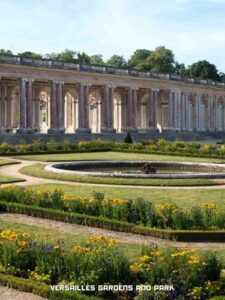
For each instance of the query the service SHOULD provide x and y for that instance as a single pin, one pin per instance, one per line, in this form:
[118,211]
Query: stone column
[108,110]
[3,106]
[171,111]
[53,113]
[9,111]
[60,108]
[152,109]
[22,121]
[98,127]
[83,118]
[179,111]
[131,109]
[134,109]
[29,105]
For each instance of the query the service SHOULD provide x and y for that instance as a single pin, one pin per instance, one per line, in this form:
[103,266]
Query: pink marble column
[60,108]
[29,105]
[134,109]
[9,110]
[171,111]
[129,109]
[53,117]
[86,107]
[22,121]
[83,107]
[111,110]
[3,106]
[107,114]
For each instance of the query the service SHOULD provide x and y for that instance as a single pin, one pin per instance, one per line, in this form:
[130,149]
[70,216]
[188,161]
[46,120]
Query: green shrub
[128,138]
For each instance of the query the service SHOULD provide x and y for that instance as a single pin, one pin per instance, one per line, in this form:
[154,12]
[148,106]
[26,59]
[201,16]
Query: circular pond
[139,169]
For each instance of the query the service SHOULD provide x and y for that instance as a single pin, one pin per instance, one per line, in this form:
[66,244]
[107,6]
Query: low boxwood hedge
[43,290]
[100,222]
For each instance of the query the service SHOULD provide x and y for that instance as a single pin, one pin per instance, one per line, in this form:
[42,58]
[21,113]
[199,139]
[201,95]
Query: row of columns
[184,113]
[195,113]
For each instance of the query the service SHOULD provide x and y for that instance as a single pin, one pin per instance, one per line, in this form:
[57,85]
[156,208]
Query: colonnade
[28,105]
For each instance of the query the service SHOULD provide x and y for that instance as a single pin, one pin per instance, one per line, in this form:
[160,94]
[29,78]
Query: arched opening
[71,111]
[220,115]
[41,110]
[142,113]
[15,108]
[203,113]
[118,112]
[95,112]
[190,112]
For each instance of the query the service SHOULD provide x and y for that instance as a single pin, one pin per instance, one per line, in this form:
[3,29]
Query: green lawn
[183,197]
[113,156]
[8,179]
[5,162]
[38,170]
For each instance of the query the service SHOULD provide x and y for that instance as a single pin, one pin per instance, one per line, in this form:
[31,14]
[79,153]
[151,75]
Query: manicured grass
[38,170]
[184,198]
[132,251]
[5,162]
[109,155]
[9,179]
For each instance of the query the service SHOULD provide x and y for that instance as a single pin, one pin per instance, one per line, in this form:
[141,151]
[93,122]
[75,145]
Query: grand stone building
[55,97]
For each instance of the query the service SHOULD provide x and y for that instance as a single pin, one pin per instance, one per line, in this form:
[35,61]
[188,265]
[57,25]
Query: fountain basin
[131,169]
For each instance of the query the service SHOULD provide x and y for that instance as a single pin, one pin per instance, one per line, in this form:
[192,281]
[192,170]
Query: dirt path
[11,294]
[122,237]
[13,170]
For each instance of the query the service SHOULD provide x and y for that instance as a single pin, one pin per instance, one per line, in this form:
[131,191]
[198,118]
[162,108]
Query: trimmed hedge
[53,152]
[43,290]
[100,222]
[115,149]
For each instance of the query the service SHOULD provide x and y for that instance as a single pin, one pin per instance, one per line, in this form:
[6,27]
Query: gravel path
[122,237]
[11,294]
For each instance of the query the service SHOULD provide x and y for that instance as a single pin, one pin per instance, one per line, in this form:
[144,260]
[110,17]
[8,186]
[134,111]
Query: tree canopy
[159,60]
[117,61]
[205,70]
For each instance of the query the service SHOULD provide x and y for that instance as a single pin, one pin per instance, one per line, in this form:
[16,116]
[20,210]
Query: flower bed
[99,261]
[138,212]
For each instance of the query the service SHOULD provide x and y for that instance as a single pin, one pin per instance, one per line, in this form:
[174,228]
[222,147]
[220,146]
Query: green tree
[181,69]
[5,52]
[83,57]
[67,55]
[222,77]
[97,59]
[30,54]
[161,60]
[205,70]
[117,61]
[138,59]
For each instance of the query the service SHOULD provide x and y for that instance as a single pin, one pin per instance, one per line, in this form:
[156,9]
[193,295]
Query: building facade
[53,97]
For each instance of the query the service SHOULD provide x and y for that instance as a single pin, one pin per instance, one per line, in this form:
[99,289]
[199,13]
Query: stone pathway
[13,170]
[121,237]
[11,294]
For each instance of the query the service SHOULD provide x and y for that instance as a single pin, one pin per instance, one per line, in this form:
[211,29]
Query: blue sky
[193,29]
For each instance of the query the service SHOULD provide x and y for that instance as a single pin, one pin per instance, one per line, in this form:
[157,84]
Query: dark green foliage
[128,139]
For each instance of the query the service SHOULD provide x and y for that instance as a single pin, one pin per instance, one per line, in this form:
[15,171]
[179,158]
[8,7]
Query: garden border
[109,224]
[43,290]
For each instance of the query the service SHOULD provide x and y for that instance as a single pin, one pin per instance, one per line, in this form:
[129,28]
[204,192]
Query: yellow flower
[136,267]
[80,249]
[144,258]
